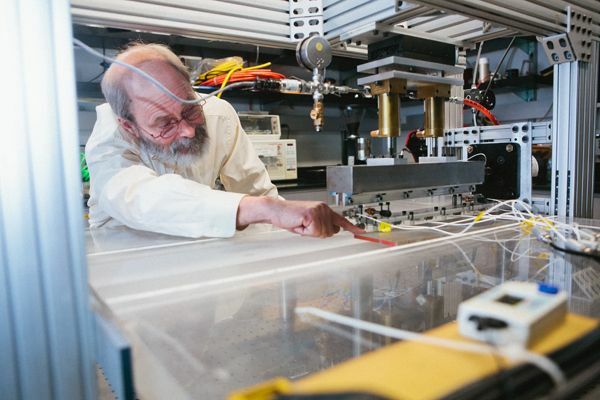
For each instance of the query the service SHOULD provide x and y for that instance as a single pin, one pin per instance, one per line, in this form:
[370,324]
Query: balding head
[116,79]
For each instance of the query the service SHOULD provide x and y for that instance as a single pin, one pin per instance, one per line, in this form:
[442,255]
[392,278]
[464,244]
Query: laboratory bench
[205,317]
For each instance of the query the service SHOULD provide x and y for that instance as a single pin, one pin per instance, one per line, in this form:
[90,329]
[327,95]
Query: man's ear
[127,126]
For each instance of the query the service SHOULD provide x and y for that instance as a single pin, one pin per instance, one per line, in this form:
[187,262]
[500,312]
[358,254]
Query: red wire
[409,136]
[481,109]
[242,76]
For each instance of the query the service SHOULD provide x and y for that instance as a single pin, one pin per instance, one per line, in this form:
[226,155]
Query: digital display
[510,300]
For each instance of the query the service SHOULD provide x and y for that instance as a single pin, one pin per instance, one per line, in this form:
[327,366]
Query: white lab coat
[133,188]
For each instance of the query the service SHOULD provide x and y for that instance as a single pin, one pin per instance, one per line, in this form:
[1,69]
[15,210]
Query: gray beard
[181,152]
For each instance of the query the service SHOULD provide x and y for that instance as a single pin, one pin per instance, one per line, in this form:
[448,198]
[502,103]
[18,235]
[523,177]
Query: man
[154,161]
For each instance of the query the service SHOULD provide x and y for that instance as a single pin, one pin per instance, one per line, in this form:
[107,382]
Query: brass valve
[316,114]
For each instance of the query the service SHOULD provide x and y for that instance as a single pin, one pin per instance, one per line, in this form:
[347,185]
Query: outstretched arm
[307,218]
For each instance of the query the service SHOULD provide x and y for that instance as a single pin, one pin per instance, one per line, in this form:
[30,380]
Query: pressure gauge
[314,52]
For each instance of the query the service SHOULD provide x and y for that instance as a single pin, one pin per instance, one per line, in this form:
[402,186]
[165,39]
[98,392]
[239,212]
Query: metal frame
[463,22]
[306,18]
[348,24]
[343,15]
[532,17]
[46,332]
[114,358]
[573,137]
[262,22]
[575,85]
[414,65]
[525,134]
[366,184]
[413,79]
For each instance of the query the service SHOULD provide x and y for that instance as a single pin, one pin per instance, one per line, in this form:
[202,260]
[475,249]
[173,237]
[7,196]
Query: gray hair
[114,82]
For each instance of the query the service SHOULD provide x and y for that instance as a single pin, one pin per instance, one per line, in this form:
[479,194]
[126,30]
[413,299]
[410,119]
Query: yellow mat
[410,370]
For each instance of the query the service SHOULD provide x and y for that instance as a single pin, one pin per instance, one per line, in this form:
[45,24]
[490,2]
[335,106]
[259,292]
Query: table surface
[205,317]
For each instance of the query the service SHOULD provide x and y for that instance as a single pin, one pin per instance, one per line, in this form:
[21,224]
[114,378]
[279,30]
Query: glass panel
[204,320]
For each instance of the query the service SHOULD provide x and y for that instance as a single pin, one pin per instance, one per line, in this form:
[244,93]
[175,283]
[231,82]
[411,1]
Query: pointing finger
[347,225]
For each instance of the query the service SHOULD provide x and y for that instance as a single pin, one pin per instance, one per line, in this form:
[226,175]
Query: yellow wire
[267,64]
[239,67]
[217,70]
[223,68]
[227,78]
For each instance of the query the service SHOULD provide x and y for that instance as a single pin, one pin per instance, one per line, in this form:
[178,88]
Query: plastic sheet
[210,317]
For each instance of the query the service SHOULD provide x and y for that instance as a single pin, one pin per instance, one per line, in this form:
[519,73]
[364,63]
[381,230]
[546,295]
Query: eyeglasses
[193,116]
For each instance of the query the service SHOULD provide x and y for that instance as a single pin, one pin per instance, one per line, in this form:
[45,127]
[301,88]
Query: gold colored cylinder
[434,117]
[389,114]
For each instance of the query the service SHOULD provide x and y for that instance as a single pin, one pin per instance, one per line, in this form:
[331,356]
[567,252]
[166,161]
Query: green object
[85,173]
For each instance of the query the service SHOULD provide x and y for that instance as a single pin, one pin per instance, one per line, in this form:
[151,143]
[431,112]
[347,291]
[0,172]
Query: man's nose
[186,130]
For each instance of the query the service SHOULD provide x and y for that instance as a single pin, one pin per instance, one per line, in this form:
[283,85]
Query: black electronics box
[413,47]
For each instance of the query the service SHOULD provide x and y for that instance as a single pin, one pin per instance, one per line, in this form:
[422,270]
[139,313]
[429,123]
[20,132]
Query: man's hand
[308,218]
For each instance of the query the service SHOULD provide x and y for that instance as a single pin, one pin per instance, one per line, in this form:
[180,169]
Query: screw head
[509,148]
[469,149]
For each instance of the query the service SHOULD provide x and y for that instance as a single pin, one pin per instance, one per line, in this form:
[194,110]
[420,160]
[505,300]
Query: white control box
[261,126]
[512,313]
[279,157]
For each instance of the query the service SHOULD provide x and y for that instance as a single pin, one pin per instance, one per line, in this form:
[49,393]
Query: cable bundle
[573,238]
[219,69]
[229,72]
[241,76]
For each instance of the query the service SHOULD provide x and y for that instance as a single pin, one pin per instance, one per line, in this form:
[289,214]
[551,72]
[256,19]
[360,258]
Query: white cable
[408,227]
[512,352]
[478,154]
[512,252]
[391,332]
[520,212]
[155,82]
[539,271]
[517,353]
[514,255]
[476,67]
[480,276]
[475,220]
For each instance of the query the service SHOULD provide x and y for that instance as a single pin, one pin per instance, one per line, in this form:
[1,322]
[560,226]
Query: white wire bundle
[514,211]
[516,354]
[566,237]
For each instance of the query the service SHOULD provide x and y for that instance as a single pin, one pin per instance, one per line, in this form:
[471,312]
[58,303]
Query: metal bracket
[576,43]
[558,49]
[306,18]
[579,30]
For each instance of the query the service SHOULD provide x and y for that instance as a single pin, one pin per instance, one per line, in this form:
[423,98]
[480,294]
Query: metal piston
[434,117]
[388,101]
[389,114]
